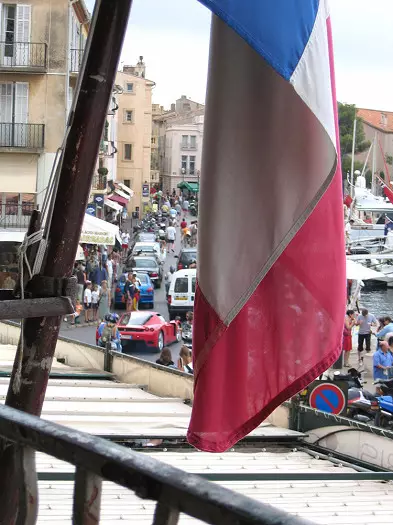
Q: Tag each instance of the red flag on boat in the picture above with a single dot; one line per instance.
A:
(270, 301)
(388, 193)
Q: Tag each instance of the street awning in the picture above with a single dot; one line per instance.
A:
(119, 199)
(80, 255)
(125, 188)
(122, 194)
(97, 231)
(190, 186)
(112, 204)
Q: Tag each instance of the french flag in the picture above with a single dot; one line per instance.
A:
(270, 301)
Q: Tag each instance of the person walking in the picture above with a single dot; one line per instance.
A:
(168, 279)
(104, 301)
(382, 362)
(81, 279)
(129, 292)
(365, 321)
(87, 301)
(349, 323)
(95, 297)
(137, 284)
(98, 275)
(386, 328)
(171, 237)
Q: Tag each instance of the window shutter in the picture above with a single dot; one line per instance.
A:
(23, 15)
(21, 113)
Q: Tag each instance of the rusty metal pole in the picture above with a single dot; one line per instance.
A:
(98, 74)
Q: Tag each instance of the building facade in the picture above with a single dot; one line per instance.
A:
(134, 133)
(180, 140)
(378, 125)
(41, 46)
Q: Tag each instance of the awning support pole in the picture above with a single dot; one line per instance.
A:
(77, 166)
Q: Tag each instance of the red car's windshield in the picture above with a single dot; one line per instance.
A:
(135, 318)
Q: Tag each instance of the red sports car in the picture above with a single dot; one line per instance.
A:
(149, 328)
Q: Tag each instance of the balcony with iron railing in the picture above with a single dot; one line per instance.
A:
(188, 146)
(75, 60)
(22, 136)
(15, 216)
(30, 57)
(188, 171)
(99, 182)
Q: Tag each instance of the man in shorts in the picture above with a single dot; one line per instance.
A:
(171, 237)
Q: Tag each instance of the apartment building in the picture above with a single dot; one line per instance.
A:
(41, 48)
(134, 133)
(378, 125)
(180, 140)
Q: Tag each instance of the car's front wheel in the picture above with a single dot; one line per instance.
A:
(160, 344)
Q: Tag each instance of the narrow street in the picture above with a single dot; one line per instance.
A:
(86, 334)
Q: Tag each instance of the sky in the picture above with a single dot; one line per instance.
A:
(173, 37)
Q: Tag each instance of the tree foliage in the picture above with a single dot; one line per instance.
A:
(346, 116)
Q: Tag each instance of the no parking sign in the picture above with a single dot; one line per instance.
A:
(329, 396)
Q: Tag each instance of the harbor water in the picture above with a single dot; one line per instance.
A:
(377, 301)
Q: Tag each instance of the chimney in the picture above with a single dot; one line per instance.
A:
(129, 69)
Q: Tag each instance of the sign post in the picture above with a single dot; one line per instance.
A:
(329, 396)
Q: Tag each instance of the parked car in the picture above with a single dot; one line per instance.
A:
(149, 328)
(185, 257)
(145, 237)
(146, 264)
(148, 248)
(146, 290)
(181, 293)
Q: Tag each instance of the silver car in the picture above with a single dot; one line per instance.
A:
(148, 265)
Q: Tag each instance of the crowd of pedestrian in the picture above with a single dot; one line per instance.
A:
(96, 277)
(369, 326)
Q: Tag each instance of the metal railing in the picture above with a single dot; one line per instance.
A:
(185, 146)
(14, 135)
(15, 215)
(29, 55)
(96, 459)
(99, 182)
(75, 60)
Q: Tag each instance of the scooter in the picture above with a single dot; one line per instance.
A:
(385, 400)
(186, 332)
(362, 405)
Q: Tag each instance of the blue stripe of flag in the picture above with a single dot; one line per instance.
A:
(277, 29)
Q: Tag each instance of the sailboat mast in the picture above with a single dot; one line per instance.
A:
(374, 165)
(353, 156)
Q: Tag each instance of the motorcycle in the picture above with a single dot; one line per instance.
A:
(385, 400)
(186, 332)
(362, 405)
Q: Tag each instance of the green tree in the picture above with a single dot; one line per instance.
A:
(346, 165)
(389, 159)
(346, 116)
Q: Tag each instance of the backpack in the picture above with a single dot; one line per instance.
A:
(106, 334)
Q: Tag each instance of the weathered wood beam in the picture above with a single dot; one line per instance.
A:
(77, 165)
(28, 308)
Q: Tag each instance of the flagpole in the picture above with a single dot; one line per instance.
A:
(353, 155)
(374, 165)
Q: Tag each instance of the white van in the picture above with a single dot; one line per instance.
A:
(181, 293)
